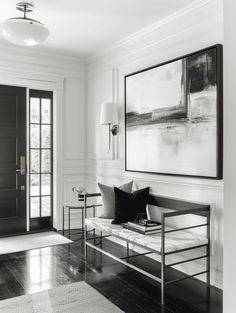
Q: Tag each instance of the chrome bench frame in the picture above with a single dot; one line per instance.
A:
(180, 208)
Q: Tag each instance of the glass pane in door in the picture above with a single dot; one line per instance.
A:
(40, 156)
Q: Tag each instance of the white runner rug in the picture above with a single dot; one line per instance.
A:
(72, 298)
(31, 241)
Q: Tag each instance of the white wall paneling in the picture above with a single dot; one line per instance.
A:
(74, 119)
(189, 30)
(73, 134)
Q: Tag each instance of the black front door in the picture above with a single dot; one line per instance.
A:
(12, 159)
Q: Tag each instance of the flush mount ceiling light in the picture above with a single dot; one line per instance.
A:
(24, 31)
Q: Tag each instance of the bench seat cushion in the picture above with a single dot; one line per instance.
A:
(102, 224)
(173, 241)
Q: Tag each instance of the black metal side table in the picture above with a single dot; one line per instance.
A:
(69, 208)
(84, 215)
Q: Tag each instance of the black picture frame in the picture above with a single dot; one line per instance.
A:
(219, 113)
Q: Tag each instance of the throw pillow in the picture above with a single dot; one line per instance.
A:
(108, 198)
(129, 205)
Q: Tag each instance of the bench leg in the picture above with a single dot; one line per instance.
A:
(82, 230)
(163, 262)
(63, 221)
(163, 279)
(208, 260)
(208, 280)
(69, 221)
(100, 248)
(85, 240)
(208, 264)
(100, 239)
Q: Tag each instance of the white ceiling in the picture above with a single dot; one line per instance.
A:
(81, 27)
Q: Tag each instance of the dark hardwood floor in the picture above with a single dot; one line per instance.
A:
(41, 269)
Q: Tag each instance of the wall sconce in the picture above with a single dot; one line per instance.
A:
(109, 117)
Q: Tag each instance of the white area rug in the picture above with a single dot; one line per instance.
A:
(72, 298)
(31, 241)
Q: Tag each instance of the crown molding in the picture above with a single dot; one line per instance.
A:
(39, 53)
(18, 57)
(143, 33)
(149, 30)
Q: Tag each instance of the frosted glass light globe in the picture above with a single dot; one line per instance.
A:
(24, 31)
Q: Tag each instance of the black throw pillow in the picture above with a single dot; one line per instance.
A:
(128, 205)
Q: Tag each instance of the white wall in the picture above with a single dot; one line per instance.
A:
(66, 78)
(77, 105)
(230, 156)
(187, 31)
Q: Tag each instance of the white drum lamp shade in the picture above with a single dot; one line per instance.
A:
(24, 32)
(108, 114)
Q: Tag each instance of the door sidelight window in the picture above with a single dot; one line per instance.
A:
(41, 155)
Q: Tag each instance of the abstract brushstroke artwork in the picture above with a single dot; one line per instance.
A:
(173, 116)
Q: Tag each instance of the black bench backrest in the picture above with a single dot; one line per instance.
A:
(176, 204)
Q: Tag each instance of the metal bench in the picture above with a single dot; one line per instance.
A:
(168, 241)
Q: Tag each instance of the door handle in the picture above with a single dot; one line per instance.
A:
(22, 169)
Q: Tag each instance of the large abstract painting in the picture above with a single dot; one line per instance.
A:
(173, 116)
